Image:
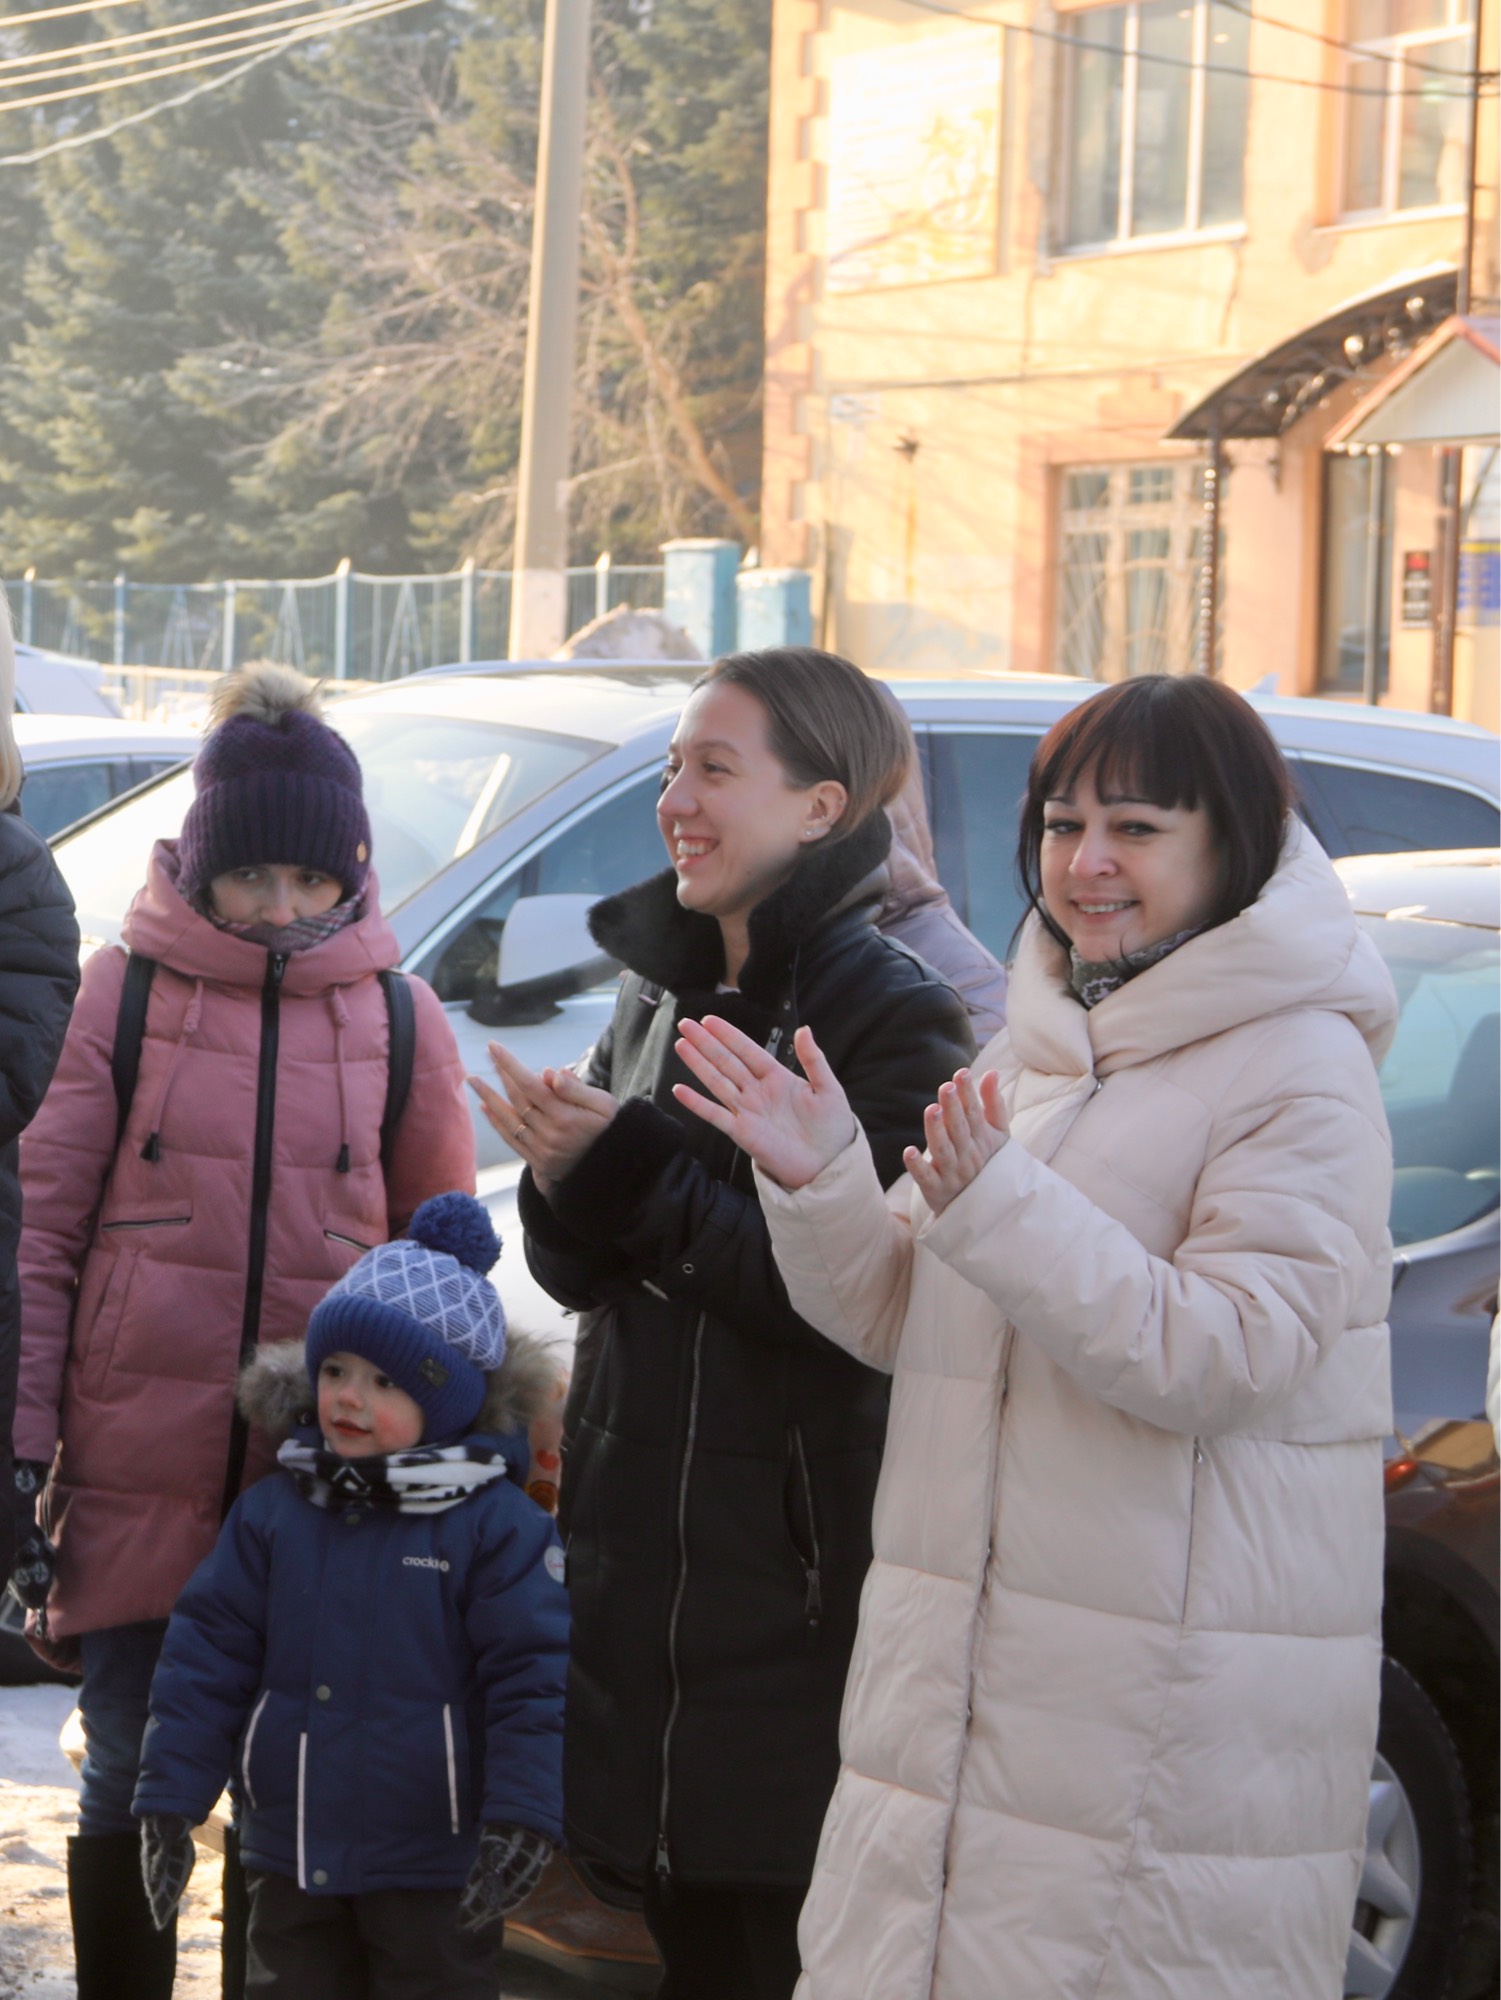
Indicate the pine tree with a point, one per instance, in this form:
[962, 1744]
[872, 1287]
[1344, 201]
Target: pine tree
[148, 252]
[286, 323]
[410, 393]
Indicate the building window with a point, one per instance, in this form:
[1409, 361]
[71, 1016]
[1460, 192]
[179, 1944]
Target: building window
[1154, 120]
[1407, 105]
[1356, 642]
[1130, 549]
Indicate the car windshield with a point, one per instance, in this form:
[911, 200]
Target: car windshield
[434, 785]
[1439, 1080]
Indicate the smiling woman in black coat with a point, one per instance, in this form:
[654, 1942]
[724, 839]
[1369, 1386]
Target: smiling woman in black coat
[722, 1456]
[38, 978]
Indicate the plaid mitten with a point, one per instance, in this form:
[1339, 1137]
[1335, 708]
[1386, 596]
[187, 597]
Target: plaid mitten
[506, 1870]
[36, 1559]
[166, 1863]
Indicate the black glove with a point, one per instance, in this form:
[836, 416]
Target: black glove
[167, 1858]
[36, 1558]
[506, 1870]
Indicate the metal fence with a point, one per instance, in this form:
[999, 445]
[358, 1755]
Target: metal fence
[348, 626]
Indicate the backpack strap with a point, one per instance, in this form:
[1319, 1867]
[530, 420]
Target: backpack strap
[401, 1016]
[130, 1031]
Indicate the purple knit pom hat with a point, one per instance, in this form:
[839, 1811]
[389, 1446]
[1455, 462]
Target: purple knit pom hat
[274, 784]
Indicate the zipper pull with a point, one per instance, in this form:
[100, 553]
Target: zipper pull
[663, 1865]
[152, 1150]
[276, 966]
[814, 1605]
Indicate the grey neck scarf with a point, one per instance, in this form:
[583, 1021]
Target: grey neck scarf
[1094, 980]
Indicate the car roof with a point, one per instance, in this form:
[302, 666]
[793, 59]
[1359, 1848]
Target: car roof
[47, 737]
[616, 701]
[58, 684]
[1456, 886]
[607, 701]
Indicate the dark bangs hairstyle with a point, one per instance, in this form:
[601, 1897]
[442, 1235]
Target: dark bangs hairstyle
[825, 719]
[1173, 740]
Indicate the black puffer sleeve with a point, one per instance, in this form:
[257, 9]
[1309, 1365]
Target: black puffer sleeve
[38, 972]
[675, 1226]
[38, 978]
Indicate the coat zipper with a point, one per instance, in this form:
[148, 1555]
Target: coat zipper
[354, 1243]
[260, 1198]
[814, 1605]
[154, 1222]
[1003, 1405]
[663, 1860]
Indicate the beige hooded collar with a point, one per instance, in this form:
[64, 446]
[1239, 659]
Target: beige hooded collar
[1297, 946]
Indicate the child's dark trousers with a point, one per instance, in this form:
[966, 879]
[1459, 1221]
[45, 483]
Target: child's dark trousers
[397, 1944]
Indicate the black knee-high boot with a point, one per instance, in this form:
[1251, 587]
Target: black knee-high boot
[119, 1952]
[236, 1920]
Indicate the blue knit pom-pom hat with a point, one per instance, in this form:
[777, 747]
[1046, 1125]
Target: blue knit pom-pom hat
[422, 1311]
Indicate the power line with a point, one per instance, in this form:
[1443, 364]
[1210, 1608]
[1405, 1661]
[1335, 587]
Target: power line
[1185, 62]
[105, 43]
[57, 13]
[328, 22]
[78, 139]
[71, 69]
[1348, 48]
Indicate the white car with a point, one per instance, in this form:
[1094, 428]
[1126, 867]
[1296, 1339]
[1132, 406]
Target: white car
[58, 684]
[75, 764]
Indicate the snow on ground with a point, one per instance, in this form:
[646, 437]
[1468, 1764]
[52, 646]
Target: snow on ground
[38, 1810]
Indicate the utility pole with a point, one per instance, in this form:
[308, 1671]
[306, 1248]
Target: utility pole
[539, 580]
[1451, 458]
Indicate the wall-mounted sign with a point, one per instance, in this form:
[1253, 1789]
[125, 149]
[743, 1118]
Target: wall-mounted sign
[1480, 583]
[1417, 587]
[914, 162]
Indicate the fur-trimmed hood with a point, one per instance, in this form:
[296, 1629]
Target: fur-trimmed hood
[275, 1395]
[647, 929]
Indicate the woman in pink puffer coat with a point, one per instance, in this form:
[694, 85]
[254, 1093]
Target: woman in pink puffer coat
[248, 1178]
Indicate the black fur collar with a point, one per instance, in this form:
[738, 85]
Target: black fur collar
[647, 929]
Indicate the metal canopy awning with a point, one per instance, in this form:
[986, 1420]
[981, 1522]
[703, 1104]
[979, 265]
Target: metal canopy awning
[1447, 392]
[1270, 393]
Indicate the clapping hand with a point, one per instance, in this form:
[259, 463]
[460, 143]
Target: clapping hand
[964, 1129]
[551, 1119]
[792, 1126]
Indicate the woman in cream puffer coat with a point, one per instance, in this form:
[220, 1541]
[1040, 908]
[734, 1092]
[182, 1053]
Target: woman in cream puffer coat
[1110, 1717]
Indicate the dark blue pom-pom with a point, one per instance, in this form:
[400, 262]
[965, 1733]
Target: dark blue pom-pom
[458, 1224]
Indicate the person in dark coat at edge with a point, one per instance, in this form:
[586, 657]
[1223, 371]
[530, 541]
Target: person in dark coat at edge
[38, 978]
[721, 1457]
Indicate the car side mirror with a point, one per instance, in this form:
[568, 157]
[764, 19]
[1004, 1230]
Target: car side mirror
[546, 953]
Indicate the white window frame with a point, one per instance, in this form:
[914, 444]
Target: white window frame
[1397, 51]
[1179, 514]
[1123, 239]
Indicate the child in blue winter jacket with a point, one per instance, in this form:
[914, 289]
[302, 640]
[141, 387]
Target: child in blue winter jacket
[375, 1650]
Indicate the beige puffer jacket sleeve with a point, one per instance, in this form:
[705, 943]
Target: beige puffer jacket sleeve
[1285, 1248]
[844, 1250]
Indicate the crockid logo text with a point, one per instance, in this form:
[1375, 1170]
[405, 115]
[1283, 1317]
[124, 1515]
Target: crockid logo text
[424, 1562]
